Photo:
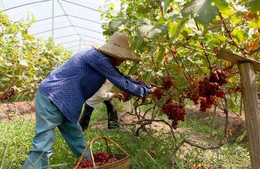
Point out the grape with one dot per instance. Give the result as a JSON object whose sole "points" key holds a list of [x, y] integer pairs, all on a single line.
{"points": [[100, 158], [167, 82], [158, 94], [126, 96], [209, 89], [175, 112], [174, 52], [7, 95]]}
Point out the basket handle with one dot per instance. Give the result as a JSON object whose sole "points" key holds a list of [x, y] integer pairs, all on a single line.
{"points": [[91, 152]]}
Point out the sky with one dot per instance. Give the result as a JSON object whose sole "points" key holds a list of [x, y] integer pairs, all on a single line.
{"points": [[77, 23]]}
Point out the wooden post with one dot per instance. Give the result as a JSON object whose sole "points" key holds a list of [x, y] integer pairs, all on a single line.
{"points": [[247, 68], [250, 98]]}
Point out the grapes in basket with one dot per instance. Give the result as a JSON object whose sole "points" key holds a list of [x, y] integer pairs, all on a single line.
{"points": [[100, 158]]}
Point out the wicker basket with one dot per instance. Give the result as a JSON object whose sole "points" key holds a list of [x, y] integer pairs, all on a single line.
{"points": [[123, 159]]}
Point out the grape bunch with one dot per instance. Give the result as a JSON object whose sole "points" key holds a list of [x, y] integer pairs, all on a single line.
{"points": [[158, 93], [193, 94], [167, 82], [209, 89], [100, 158], [126, 97], [86, 163], [175, 112], [8, 95]]}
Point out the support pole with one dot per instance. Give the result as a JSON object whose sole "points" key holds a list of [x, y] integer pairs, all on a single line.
{"points": [[252, 115], [79, 44], [53, 19]]}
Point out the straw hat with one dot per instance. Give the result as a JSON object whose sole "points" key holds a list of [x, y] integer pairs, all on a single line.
{"points": [[117, 46]]}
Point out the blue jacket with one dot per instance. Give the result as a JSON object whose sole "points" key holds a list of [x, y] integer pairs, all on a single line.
{"points": [[69, 86]]}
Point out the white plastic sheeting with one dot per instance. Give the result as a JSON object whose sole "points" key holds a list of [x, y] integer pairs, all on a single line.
{"points": [[74, 23]]}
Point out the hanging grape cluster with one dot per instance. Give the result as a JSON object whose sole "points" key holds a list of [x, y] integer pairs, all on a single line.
{"points": [[209, 89], [175, 112]]}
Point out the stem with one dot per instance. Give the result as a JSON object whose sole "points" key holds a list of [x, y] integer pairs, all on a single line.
{"points": [[161, 8], [167, 70], [213, 121], [192, 143], [228, 31], [204, 49], [155, 67], [184, 68]]}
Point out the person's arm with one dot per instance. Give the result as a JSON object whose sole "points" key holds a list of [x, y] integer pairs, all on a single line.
{"points": [[105, 95], [106, 69], [129, 78]]}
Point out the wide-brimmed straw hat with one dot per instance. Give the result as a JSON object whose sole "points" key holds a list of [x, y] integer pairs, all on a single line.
{"points": [[117, 46]]}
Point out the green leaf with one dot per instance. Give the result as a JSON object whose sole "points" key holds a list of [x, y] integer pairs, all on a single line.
{"points": [[8, 64], [238, 34], [133, 69], [254, 5], [152, 32], [29, 37], [201, 10], [161, 54], [161, 21], [166, 4], [147, 75], [231, 104], [175, 30], [24, 63], [114, 25], [255, 23], [221, 4]]}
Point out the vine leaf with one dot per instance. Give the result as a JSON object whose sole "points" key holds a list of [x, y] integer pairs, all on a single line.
{"points": [[201, 10], [254, 5], [114, 25], [152, 32], [23, 63], [221, 4], [166, 4]]}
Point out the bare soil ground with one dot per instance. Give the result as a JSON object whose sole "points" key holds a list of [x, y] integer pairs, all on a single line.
{"points": [[236, 123]]}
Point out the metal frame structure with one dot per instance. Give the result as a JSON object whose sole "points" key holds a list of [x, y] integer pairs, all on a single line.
{"points": [[82, 41]]}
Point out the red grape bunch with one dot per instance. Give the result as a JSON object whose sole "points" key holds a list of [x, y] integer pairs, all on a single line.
{"points": [[175, 112], [86, 163], [209, 89], [8, 95], [100, 158], [167, 83], [126, 97]]}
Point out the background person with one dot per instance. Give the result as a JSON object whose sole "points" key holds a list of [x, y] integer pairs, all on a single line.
{"points": [[102, 95]]}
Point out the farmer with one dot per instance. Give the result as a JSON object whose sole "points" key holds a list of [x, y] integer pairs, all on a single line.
{"points": [[102, 95], [61, 95]]}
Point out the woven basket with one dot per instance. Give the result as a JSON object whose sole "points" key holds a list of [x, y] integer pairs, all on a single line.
{"points": [[123, 159]]}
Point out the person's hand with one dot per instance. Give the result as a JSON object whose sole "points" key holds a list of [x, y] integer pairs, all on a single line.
{"points": [[119, 96], [157, 92], [155, 89]]}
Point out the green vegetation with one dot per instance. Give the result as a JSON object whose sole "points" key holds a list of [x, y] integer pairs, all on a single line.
{"points": [[24, 59], [148, 151]]}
